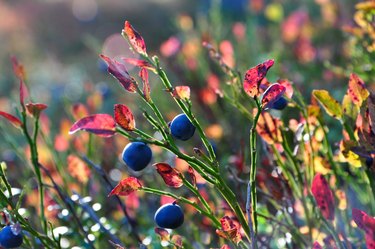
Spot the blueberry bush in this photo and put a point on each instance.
(239, 158)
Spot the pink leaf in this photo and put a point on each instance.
(272, 94)
(192, 176)
(135, 39)
(171, 176)
(124, 117)
(100, 124)
(316, 245)
(254, 76)
(14, 120)
(367, 224)
(323, 196)
(34, 109)
(288, 87)
(126, 186)
(146, 85)
(23, 92)
(182, 92)
(177, 240)
(118, 70)
(138, 63)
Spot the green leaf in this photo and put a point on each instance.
(331, 105)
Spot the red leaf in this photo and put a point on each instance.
(146, 85)
(225, 247)
(126, 186)
(272, 94)
(163, 233)
(135, 39)
(288, 87)
(124, 117)
(366, 223)
(34, 109)
(192, 176)
(182, 92)
(316, 245)
(14, 120)
(18, 68)
(254, 76)
(118, 70)
(323, 196)
(100, 124)
(229, 230)
(171, 176)
(138, 63)
(357, 90)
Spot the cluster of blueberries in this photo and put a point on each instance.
(137, 155)
(11, 237)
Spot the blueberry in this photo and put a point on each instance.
(182, 128)
(10, 238)
(137, 155)
(280, 104)
(169, 216)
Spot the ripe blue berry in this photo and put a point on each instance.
(182, 128)
(169, 216)
(10, 238)
(137, 155)
(280, 104)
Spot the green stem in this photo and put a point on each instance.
(333, 233)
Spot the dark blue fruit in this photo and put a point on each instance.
(10, 238)
(182, 128)
(169, 216)
(280, 104)
(137, 155)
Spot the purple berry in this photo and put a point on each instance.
(11, 236)
(280, 104)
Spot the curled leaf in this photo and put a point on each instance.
(367, 224)
(124, 117)
(163, 233)
(118, 70)
(268, 128)
(192, 176)
(229, 230)
(146, 85)
(254, 76)
(182, 92)
(357, 90)
(100, 124)
(272, 94)
(23, 92)
(171, 176)
(34, 109)
(135, 39)
(126, 186)
(177, 240)
(332, 106)
(288, 87)
(323, 196)
(14, 120)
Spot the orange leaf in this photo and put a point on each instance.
(254, 76)
(182, 92)
(124, 117)
(268, 128)
(135, 39)
(14, 120)
(118, 70)
(100, 124)
(177, 240)
(323, 196)
(171, 176)
(126, 186)
(357, 90)
(229, 230)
